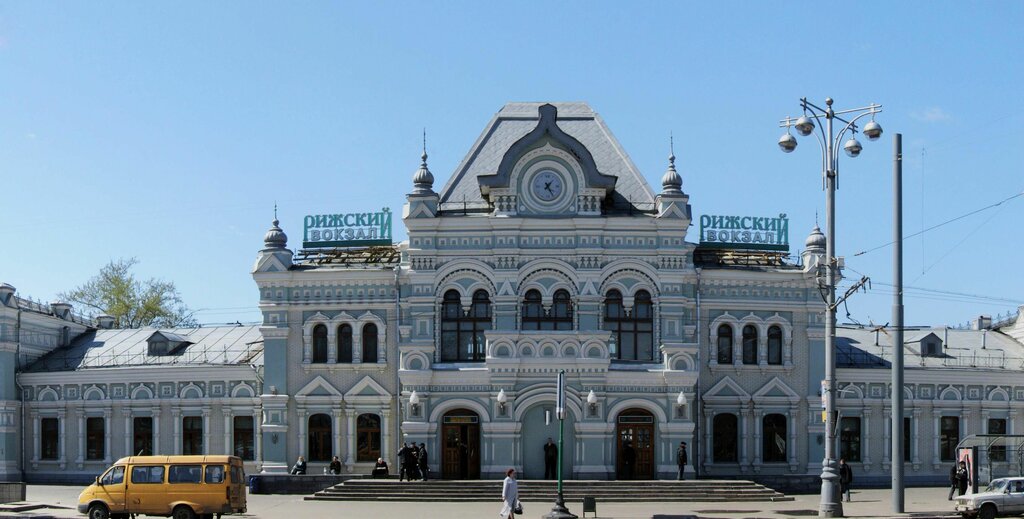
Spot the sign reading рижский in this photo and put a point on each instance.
(347, 230)
(745, 232)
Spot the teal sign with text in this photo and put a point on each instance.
(347, 230)
(745, 232)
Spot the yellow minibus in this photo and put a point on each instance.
(182, 487)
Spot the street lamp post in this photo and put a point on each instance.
(828, 139)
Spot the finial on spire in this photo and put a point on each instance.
(424, 156)
(275, 210)
(671, 150)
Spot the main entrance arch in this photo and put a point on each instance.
(634, 438)
(538, 424)
(460, 445)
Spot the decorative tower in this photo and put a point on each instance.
(672, 201)
(814, 249)
(423, 201)
(275, 256)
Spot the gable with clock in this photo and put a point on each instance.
(547, 173)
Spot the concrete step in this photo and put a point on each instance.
(608, 491)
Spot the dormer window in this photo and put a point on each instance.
(166, 343)
(158, 348)
(931, 349)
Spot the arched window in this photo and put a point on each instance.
(319, 343)
(726, 437)
(561, 311)
(367, 437)
(774, 438)
(370, 343)
(345, 343)
(633, 333)
(462, 335)
(558, 318)
(725, 344)
(774, 345)
(749, 344)
(319, 437)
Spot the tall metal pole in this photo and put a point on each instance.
(897, 320)
(559, 511)
(830, 505)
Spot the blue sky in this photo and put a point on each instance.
(166, 131)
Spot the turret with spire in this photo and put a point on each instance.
(672, 201)
(814, 249)
(423, 201)
(275, 255)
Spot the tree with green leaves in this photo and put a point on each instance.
(131, 302)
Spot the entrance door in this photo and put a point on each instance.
(460, 450)
(635, 445)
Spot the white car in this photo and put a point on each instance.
(1003, 496)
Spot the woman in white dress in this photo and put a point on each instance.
(509, 495)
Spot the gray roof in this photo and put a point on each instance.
(213, 345)
(515, 120)
(856, 347)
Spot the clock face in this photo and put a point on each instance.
(546, 185)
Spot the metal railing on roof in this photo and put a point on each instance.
(216, 354)
(39, 307)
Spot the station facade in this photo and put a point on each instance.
(546, 251)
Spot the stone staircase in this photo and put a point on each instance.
(706, 490)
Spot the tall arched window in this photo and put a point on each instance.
(369, 343)
(726, 437)
(749, 344)
(462, 335)
(634, 332)
(558, 318)
(774, 345)
(774, 438)
(319, 437)
(319, 343)
(345, 343)
(367, 437)
(725, 344)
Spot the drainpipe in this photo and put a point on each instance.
(699, 397)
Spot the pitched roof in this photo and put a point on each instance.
(864, 347)
(213, 345)
(514, 121)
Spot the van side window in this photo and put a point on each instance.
(214, 474)
(237, 476)
(184, 474)
(148, 474)
(114, 476)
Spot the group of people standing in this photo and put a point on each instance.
(413, 462)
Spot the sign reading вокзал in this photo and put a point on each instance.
(347, 230)
(745, 232)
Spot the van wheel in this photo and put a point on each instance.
(988, 511)
(183, 512)
(98, 511)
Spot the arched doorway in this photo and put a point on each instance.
(538, 424)
(634, 438)
(460, 445)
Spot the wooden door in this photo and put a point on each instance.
(635, 445)
(460, 449)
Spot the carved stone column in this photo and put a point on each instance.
(350, 456)
(229, 432)
(302, 432)
(129, 433)
(107, 425)
(385, 440)
(757, 439)
(206, 430)
(336, 430)
(176, 416)
(745, 417)
(80, 458)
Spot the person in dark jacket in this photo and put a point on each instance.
(335, 467)
(421, 459)
(300, 466)
(380, 470)
(681, 459)
(403, 469)
(411, 464)
(962, 478)
(953, 485)
(550, 459)
(628, 460)
(845, 479)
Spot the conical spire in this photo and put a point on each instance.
(423, 180)
(671, 182)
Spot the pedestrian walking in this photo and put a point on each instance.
(681, 459)
(335, 467)
(300, 466)
(510, 496)
(421, 460)
(845, 478)
(962, 478)
(550, 459)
